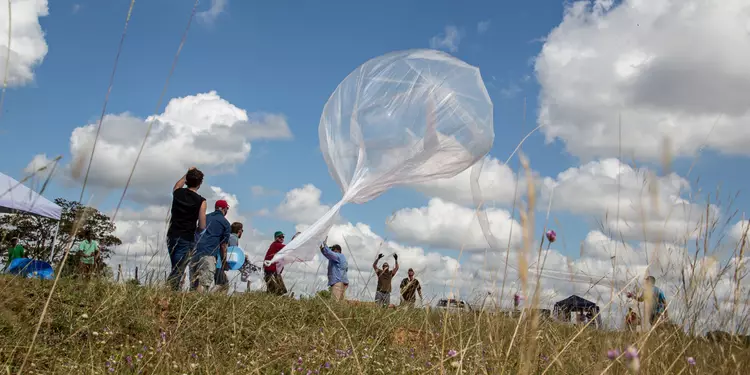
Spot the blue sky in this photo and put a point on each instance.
(287, 57)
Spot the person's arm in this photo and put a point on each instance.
(181, 182)
(375, 263)
(333, 257)
(395, 269)
(202, 216)
(223, 253)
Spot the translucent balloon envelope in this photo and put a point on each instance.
(401, 118)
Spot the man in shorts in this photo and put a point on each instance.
(188, 213)
(211, 244)
(385, 276)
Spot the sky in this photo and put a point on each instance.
(636, 112)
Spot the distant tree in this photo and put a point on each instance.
(36, 232)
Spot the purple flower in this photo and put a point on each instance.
(108, 364)
(139, 356)
(327, 365)
(612, 354)
(129, 360)
(309, 372)
(299, 360)
(299, 369)
(111, 369)
(194, 356)
(544, 358)
(691, 361)
(551, 235)
(163, 335)
(428, 364)
(631, 353)
(452, 353)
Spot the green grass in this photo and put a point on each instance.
(94, 327)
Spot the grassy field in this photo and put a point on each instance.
(99, 327)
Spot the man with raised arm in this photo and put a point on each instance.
(409, 289)
(212, 245)
(385, 276)
(188, 214)
(338, 281)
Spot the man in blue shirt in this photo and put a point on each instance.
(654, 298)
(338, 281)
(211, 243)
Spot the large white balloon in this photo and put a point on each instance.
(400, 118)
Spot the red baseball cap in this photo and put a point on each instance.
(221, 204)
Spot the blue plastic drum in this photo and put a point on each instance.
(235, 258)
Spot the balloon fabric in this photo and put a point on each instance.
(235, 258)
(401, 118)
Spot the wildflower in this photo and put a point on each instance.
(194, 356)
(309, 372)
(139, 356)
(95, 333)
(299, 360)
(163, 336)
(129, 360)
(299, 369)
(691, 361)
(612, 354)
(428, 364)
(84, 316)
(327, 365)
(452, 353)
(551, 236)
(544, 358)
(632, 362)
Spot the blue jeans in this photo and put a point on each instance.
(179, 255)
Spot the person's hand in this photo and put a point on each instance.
(380, 256)
(395, 257)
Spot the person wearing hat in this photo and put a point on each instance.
(385, 276)
(212, 242)
(274, 281)
(409, 289)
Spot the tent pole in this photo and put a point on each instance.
(54, 238)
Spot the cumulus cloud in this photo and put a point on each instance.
(497, 182)
(649, 206)
(209, 16)
(201, 130)
(447, 40)
(671, 68)
(27, 45)
(448, 225)
(302, 205)
(739, 229)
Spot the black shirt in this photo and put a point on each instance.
(185, 207)
(409, 289)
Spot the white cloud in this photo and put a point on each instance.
(653, 207)
(209, 16)
(448, 40)
(497, 182)
(739, 229)
(260, 191)
(302, 205)
(202, 130)
(38, 162)
(27, 45)
(670, 68)
(483, 26)
(448, 225)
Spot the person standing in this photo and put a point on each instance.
(274, 281)
(220, 277)
(385, 276)
(188, 213)
(212, 244)
(16, 251)
(89, 252)
(338, 280)
(655, 300)
(409, 289)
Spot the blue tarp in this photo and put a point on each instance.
(31, 268)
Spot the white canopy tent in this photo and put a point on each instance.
(15, 197)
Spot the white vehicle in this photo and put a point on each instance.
(453, 305)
